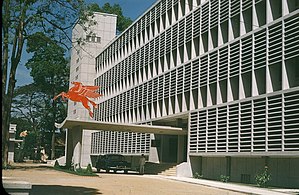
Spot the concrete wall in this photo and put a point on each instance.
(11, 156)
(184, 170)
(169, 146)
(196, 164)
(213, 167)
(246, 166)
(164, 152)
(73, 145)
(284, 171)
(154, 151)
(82, 67)
(182, 149)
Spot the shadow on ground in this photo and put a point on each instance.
(61, 190)
(24, 165)
(118, 172)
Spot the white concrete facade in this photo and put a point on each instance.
(227, 71)
(82, 69)
(229, 68)
(83, 54)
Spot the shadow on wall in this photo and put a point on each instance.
(57, 189)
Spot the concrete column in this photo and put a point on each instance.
(86, 147)
(68, 152)
(73, 145)
(154, 150)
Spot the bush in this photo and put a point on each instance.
(56, 164)
(197, 176)
(263, 178)
(224, 178)
(77, 171)
(89, 168)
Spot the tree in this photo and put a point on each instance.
(28, 146)
(19, 20)
(31, 110)
(50, 72)
(122, 21)
(26, 105)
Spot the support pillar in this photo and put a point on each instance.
(73, 145)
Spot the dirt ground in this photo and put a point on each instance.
(47, 181)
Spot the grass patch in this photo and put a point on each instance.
(79, 171)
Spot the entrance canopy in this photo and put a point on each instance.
(125, 127)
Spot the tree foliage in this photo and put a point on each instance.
(122, 21)
(48, 66)
(50, 72)
(33, 103)
(20, 19)
(27, 104)
(31, 111)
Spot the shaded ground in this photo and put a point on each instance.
(48, 181)
(58, 189)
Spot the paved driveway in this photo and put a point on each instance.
(46, 181)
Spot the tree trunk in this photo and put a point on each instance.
(8, 87)
(53, 145)
(5, 135)
(6, 109)
(53, 131)
(4, 66)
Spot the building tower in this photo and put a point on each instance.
(83, 54)
(101, 30)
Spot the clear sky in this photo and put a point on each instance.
(131, 8)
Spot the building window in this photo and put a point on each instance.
(74, 111)
(76, 77)
(77, 60)
(77, 69)
(88, 38)
(93, 39)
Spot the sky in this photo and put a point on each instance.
(131, 8)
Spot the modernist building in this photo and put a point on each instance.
(225, 71)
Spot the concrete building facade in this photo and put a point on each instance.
(101, 30)
(12, 143)
(224, 71)
(86, 45)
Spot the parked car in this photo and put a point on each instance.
(115, 162)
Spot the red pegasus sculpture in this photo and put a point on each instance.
(81, 93)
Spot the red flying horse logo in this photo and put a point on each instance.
(81, 93)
